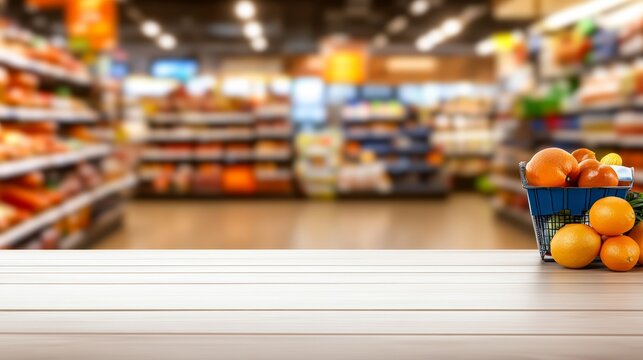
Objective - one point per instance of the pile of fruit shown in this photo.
(554, 167)
(577, 245)
(612, 233)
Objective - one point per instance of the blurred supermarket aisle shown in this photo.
(463, 221)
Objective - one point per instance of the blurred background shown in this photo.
(364, 124)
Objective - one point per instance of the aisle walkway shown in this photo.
(460, 222)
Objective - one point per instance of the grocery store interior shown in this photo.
(275, 124)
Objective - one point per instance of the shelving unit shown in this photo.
(402, 143)
(184, 147)
(58, 179)
(69, 207)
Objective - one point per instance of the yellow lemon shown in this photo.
(612, 159)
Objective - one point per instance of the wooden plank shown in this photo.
(323, 297)
(598, 276)
(287, 347)
(133, 269)
(562, 323)
(274, 257)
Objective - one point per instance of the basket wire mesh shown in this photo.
(546, 227)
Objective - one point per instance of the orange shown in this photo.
(552, 167)
(637, 235)
(575, 246)
(588, 164)
(602, 176)
(620, 253)
(583, 154)
(612, 216)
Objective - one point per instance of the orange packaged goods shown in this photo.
(207, 178)
(34, 179)
(239, 179)
(25, 198)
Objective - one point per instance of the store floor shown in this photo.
(463, 221)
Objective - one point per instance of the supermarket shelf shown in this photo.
(230, 118)
(61, 116)
(19, 62)
(371, 119)
(581, 69)
(274, 175)
(99, 226)
(468, 154)
(606, 139)
(272, 113)
(402, 168)
(265, 135)
(413, 150)
(507, 183)
(50, 216)
(368, 137)
(285, 156)
(374, 136)
(214, 158)
(199, 137)
(18, 167)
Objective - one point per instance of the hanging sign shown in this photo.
(91, 24)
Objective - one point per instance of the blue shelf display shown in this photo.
(384, 134)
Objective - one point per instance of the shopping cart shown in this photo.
(552, 208)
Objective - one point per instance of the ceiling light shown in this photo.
(579, 12)
(252, 29)
(259, 44)
(485, 47)
(451, 27)
(398, 24)
(425, 43)
(167, 42)
(150, 28)
(380, 41)
(436, 36)
(419, 7)
(245, 10)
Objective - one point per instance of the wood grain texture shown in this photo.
(313, 305)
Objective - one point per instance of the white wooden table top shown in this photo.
(313, 305)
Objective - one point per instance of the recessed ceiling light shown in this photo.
(167, 42)
(259, 44)
(451, 27)
(252, 29)
(150, 28)
(245, 10)
(419, 7)
(425, 43)
(398, 24)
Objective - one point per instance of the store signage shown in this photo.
(91, 24)
(345, 66)
(345, 62)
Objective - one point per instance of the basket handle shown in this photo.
(523, 177)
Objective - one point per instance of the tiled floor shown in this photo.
(464, 221)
